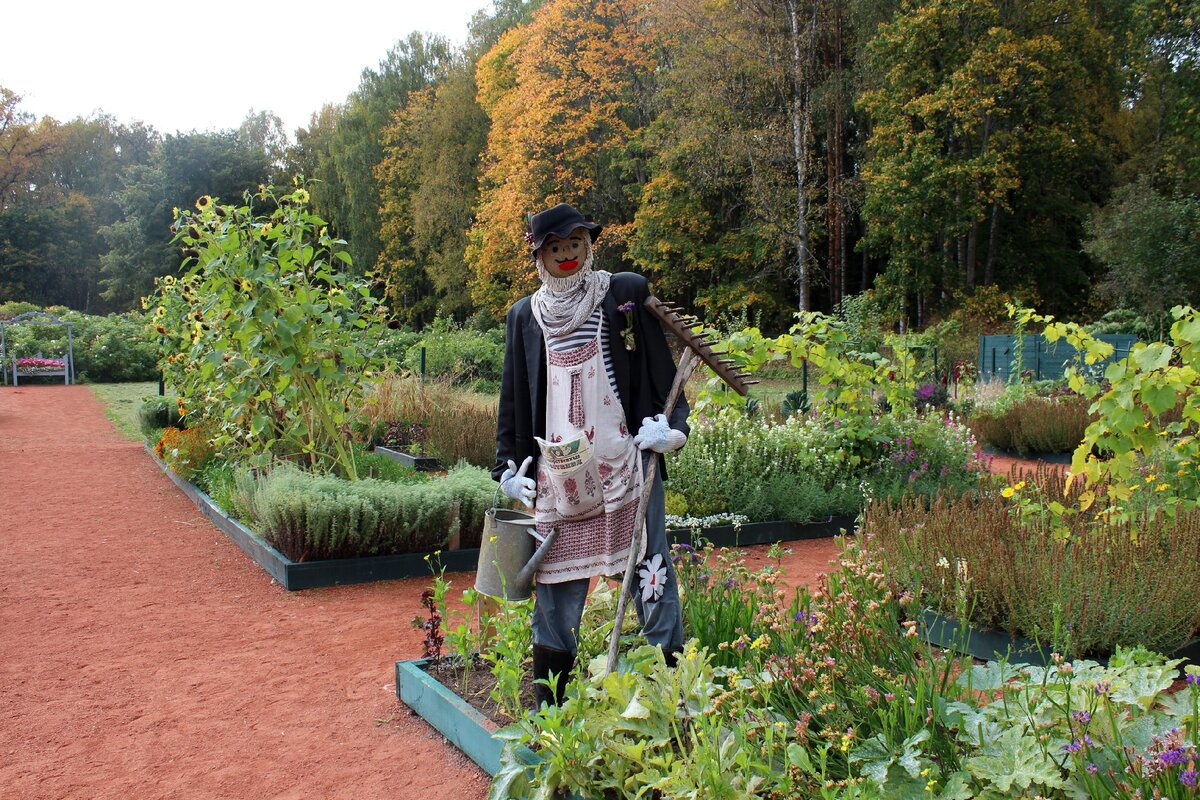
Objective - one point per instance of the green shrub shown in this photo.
(159, 412)
(458, 355)
(808, 467)
(1081, 590)
(308, 517)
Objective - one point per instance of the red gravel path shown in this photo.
(142, 654)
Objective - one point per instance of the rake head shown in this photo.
(681, 324)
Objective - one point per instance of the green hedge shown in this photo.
(308, 517)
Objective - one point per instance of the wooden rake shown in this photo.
(698, 348)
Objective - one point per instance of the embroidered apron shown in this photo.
(589, 473)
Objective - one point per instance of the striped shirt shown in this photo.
(584, 334)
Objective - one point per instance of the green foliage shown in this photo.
(184, 167)
(1150, 396)
(159, 412)
(459, 355)
(837, 697)
(265, 333)
(957, 177)
(308, 517)
(1148, 244)
(807, 467)
(344, 145)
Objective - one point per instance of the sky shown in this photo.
(203, 65)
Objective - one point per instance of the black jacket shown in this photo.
(644, 375)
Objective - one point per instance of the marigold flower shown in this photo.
(1008, 492)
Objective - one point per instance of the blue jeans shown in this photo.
(558, 607)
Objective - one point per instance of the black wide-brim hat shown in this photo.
(558, 221)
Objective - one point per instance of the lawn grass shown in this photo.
(121, 403)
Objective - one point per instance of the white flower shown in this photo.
(654, 576)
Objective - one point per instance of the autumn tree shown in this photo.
(566, 95)
(429, 178)
(24, 142)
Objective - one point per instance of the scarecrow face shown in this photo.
(564, 257)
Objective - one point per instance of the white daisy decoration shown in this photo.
(654, 577)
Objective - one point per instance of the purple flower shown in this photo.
(1103, 688)
(1091, 768)
(1173, 757)
(730, 583)
(1082, 717)
(1193, 679)
(1073, 747)
(625, 308)
(1188, 777)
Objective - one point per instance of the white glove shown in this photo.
(658, 436)
(514, 484)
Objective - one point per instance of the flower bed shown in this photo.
(1078, 580)
(809, 467)
(295, 575)
(1022, 422)
(832, 694)
(37, 366)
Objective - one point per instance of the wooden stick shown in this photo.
(687, 364)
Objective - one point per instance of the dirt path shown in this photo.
(144, 655)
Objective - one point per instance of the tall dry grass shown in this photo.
(454, 424)
(1033, 424)
(1109, 583)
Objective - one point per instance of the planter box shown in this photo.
(463, 726)
(763, 532)
(419, 463)
(293, 575)
(946, 632)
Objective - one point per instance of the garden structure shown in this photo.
(17, 364)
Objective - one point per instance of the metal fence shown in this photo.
(1041, 359)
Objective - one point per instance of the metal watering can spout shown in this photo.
(524, 580)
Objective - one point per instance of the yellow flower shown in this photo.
(1151, 478)
(1008, 491)
(203, 202)
(1020, 485)
(1162, 487)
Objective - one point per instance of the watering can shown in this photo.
(507, 558)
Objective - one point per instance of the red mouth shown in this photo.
(567, 266)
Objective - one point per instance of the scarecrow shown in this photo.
(586, 372)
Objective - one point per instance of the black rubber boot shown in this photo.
(672, 657)
(551, 663)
